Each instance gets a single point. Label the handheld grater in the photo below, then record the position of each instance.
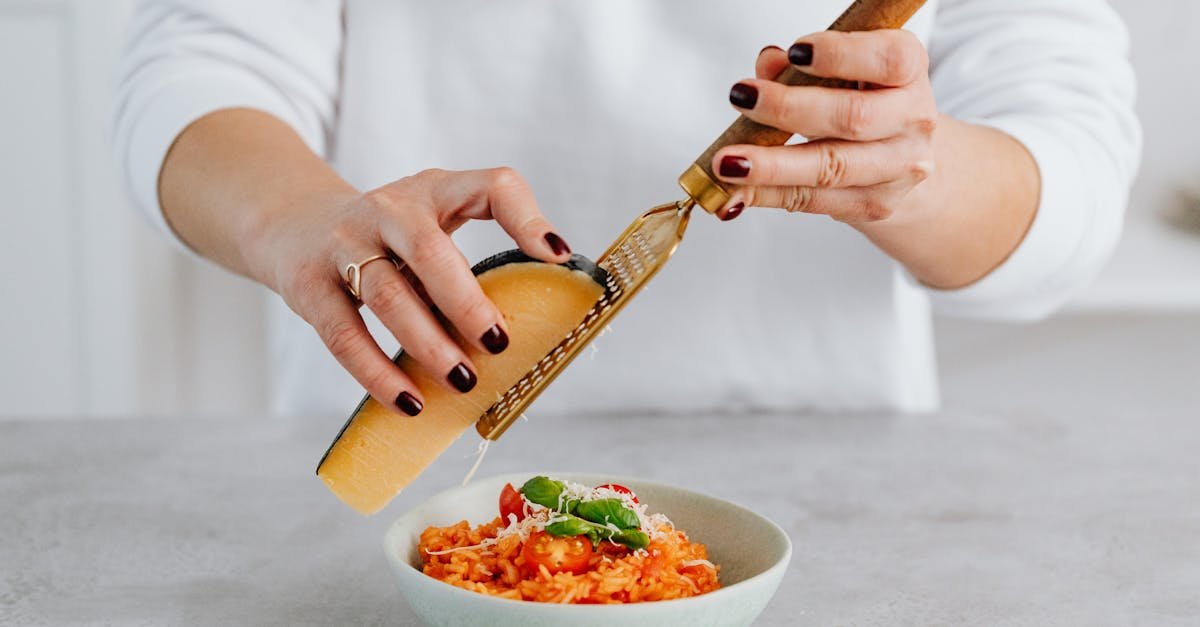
(646, 245)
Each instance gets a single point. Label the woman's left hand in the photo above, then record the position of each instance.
(868, 149)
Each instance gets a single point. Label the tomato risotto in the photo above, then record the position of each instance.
(559, 542)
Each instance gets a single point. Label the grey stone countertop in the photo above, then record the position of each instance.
(923, 519)
(1080, 512)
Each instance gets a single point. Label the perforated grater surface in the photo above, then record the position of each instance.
(644, 248)
(636, 256)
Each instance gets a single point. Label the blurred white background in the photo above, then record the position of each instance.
(102, 318)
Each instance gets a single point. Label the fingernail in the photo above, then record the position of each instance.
(734, 211)
(495, 339)
(743, 96)
(461, 378)
(409, 404)
(557, 244)
(770, 47)
(734, 167)
(800, 54)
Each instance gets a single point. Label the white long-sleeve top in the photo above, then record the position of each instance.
(601, 105)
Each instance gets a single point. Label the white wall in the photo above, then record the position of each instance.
(100, 317)
(1156, 265)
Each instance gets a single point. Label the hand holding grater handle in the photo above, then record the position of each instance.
(701, 183)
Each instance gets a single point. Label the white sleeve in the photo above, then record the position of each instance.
(184, 59)
(1055, 75)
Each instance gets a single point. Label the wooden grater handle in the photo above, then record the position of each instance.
(701, 183)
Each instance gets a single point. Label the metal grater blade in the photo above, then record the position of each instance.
(636, 256)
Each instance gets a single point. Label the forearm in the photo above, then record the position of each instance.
(234, 172)
(971, 213)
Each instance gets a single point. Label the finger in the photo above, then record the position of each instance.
(731, 210)
(822, 163)
(501, 194)
(831, 112)
(417, 285)
(851, 204)
(771, 61)
(400, 308)
(335, 318)
(409, 228)
(888, 57)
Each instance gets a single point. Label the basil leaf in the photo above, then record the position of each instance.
(590, 518)
(544, 491)
(605, 511)
(631, 538)
(572, 526)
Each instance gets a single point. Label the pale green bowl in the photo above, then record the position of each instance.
(752, 551)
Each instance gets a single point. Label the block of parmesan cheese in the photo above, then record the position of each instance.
(379, 452)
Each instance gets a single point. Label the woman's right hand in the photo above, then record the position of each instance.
(303, 255)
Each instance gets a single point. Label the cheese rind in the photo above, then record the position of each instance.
(379, 452)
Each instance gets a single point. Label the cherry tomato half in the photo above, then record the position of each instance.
(511, 502)
(616, 487)
(567, 554)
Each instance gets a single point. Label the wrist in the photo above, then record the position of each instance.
(264, 232)
(969, 215)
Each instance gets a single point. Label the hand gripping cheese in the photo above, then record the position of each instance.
(379, 452)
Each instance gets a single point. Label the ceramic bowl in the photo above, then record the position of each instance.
(752, 551)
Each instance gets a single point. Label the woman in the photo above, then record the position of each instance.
(984, 173)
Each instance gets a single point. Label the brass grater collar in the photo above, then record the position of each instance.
(700, 186)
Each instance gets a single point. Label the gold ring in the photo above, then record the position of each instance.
(354, 273)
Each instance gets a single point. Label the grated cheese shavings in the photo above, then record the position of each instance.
(479, 452)
(537, 517)
(656, 526)
(535, 521)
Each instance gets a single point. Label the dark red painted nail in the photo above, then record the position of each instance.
(409, 404)
(495, 339)
(734, 211)
(800, 54)
(557, 244)
(461, 378)
(770, 47)
(743, 96)
(734, 167)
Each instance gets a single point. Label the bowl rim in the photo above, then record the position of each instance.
(708, 597)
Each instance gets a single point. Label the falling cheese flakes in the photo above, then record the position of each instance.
(480, 452)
